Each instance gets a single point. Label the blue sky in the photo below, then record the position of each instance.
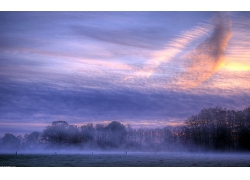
(147, 69)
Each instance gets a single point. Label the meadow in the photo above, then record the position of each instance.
(121, 159)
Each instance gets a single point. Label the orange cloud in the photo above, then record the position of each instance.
(208, 57)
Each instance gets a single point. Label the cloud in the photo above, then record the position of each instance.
(44, 103)
(21, 128)
(208, 57)
(72, 69)
(237, 58)
(136, 30)
(170, 51)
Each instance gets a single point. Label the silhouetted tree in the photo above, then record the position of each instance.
(32, 140)
(116, 133)
(211, 129)
(101, 135)
(88, 133)
(56, 135)
(220, 129)
(73, 136)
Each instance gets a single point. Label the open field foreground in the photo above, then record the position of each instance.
(130, 160)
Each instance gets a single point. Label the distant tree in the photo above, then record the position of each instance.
(116, 133)
(100, 135)
(172, 137)
(247, 128)
(87, 134)
(73, 136)
(132, 143)
(32, 140)
(9, 141)
(243, 128)
(56, 135)
(211, 129)
(60, 123)
(220, 129)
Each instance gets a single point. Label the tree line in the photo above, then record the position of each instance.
(213, 129)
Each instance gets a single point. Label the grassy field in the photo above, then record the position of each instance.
(129, 160)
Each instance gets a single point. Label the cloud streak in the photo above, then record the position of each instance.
(171, 50)
(208, 57)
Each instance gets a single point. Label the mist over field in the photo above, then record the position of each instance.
(212, 130)
(215, 137)
(132, 159)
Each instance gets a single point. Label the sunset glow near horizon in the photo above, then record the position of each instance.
(146, 69)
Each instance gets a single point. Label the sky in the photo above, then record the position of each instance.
(146, 69)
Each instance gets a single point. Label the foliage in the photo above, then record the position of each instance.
(9, 141)
(213, 129)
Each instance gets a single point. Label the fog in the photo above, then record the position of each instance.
(121, 159)
(212, 130)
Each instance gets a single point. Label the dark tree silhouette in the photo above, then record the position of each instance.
(73, 136)
(56, 135)
(219, 129)
(88, 133)
(116, 133)
(213, 129)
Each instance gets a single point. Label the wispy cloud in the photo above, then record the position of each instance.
(237, 56)
(208, 57)
(171, 50)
